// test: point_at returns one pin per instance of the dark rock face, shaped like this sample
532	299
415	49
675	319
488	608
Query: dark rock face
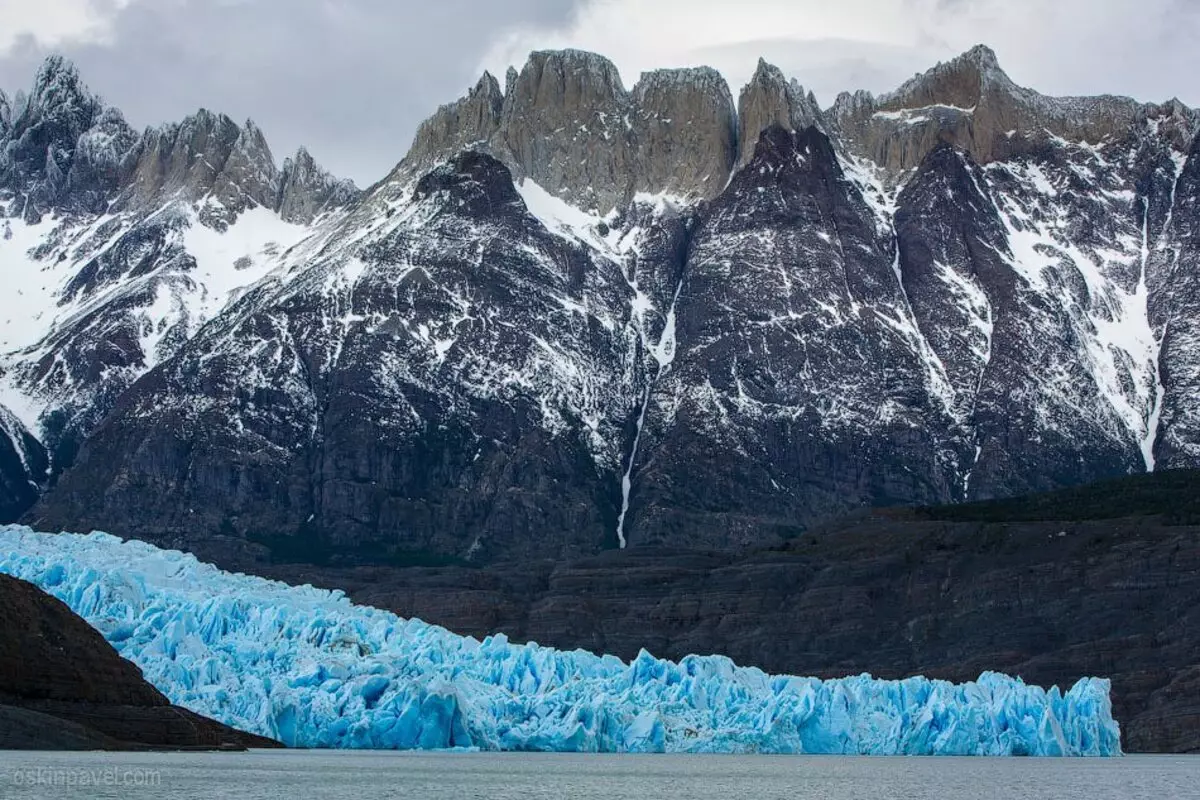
24	468
460	366
348	428
63	686
1175	310
802	277
946	593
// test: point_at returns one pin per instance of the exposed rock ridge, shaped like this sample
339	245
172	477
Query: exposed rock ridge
60	137
770	99
972	103
567	122
63	150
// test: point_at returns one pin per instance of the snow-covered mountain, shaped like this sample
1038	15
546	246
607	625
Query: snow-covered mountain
577	316
116	247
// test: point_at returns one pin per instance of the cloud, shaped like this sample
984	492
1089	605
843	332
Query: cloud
1136	47
351	79
51	22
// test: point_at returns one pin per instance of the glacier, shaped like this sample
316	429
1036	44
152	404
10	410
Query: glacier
311	669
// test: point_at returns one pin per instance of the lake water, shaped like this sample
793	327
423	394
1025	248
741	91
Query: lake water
301	775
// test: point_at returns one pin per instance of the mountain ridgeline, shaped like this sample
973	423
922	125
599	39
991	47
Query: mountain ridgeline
578	317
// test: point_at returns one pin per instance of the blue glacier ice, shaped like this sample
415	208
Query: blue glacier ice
308	667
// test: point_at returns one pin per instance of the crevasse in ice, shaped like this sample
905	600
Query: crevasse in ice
310	668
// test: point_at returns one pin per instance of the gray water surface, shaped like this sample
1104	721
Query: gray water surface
299	775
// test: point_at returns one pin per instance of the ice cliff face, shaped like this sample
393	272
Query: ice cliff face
310	669
577	316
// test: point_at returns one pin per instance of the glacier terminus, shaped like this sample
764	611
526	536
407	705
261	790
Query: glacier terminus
308	667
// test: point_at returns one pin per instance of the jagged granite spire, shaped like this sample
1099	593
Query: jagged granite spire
971	102
684	132
770	99
210	157
567	122
469	121
306	190
43	131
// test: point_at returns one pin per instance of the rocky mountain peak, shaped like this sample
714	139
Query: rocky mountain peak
467	122
961	82
38	140
59	93
62	149
770	99
971	102
567	122
684	131
207	157
306	190
565	125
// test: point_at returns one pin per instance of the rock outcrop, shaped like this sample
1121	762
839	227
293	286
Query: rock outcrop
683	132
24	467
306	190
469	122
971	103
567	122
62	686
770	100
210	158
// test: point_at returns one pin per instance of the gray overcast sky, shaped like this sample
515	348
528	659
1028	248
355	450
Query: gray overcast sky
351	79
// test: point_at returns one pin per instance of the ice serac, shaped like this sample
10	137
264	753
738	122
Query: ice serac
769	99
311	669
